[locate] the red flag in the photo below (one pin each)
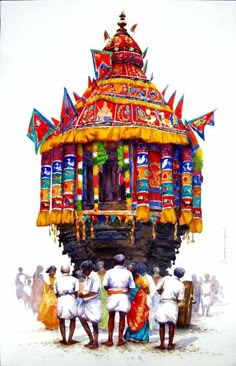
(56, 122)
(191, 137)
(89, 81)
(40, 129)
(106, 36)
(132, 29)
(171, 100)
(199, 124)
(164, 91)
(103, 69)
(99, 58)
(68, 111)
(77, 97)
(179, 107)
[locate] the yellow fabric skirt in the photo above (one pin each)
(48, 309)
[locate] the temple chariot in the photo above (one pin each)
(121, 172)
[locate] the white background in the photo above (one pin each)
(45, 46)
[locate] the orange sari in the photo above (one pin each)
(137, 317)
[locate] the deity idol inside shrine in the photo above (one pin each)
(120, 171)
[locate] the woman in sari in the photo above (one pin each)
(138, 316)
(37, 288)
(101, 273)
(48, 304)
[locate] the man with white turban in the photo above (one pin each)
(117, 282)
(66, 288)
(90, 308)
(172, 292)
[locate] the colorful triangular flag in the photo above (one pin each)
(164, 91)
(101, 57)
(40, 128)
(191, 137)
(103, 69)
(89, 81)
(145, 66)
(77, 97)
(199, 124)
(179, 107)
(89, 90)
(106, 36)
(30, 132)
(68, 111)
(145, 52)
(171, 100)
(132, 29)
(56, 122)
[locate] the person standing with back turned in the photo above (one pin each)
(90, 308)
(172, 294)
(117, 282)
(66, 289)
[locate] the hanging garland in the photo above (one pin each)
(120, 155)
(101, 153)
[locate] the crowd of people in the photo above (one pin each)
(207, 292)
(94, 295)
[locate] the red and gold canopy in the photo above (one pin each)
(122, 103)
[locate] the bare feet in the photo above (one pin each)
(108, 343)
(171, 346)
(162, 346)
(88, 344)
(93, 346)
(72, 341)
(121, 342)
(63, 341)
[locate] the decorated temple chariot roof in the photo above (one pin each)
(121, 102)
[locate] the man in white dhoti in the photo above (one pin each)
(117, 282)
(172, 291)
(90, 308)
(156, 298)
(66, 288)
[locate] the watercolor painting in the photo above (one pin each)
(117, 152)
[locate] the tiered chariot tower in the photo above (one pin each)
(121, 172)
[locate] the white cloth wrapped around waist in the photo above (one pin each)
(67, 307)
(167, 311)
(117, 290)
(64, 293)
(91, 309)
(173, 300)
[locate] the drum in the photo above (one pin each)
(185, 311)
